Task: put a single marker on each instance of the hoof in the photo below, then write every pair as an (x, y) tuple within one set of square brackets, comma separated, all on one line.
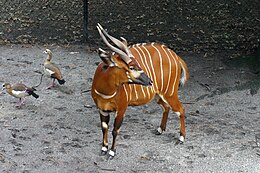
[(104, 151), (180, 141), (111, 155), (159, 131)]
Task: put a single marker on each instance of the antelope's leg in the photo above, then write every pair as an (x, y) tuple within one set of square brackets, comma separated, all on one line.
[(117, 124), (166, 109), (104, 118), (179, 110)]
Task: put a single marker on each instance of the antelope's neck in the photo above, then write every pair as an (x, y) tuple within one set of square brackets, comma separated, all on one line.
[(107, 82), (105, 96), (106, 88)]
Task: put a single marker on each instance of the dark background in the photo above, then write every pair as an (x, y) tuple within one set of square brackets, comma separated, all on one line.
[(189, 26)]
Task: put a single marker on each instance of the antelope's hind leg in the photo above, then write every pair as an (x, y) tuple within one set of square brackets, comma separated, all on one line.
[(166, 109), (177, 107), (104, 119)]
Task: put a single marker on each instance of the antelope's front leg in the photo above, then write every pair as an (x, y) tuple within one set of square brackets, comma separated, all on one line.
[(104, 118), (117, 124)]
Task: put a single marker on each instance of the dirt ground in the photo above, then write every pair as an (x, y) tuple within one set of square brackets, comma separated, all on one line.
[(60, 131)]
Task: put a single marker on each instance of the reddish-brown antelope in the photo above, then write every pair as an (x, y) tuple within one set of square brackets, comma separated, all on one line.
[(132, 76)]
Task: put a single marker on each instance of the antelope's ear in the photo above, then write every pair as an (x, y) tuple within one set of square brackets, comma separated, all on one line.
[(105, 57)]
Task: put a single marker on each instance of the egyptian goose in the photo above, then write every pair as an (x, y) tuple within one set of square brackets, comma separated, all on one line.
[(52, 70), (20, 91)]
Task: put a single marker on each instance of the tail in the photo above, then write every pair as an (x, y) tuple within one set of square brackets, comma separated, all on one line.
[(185, 76), (33, 94), (39, 83), (61, 82), (59, 78)]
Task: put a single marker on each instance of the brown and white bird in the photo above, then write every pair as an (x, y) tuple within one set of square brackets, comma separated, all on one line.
[(52, 70), (20, 91)]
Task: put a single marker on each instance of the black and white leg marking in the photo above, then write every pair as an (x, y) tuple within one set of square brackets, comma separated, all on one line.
[(104, 117)]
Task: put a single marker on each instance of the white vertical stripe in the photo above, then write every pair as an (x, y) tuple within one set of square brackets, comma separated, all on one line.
[(152, 91), (152, 68), (144, 64), (130, 92), (148, 92), (170, 69), (176, 68), (124, 86), (142, 88), (136, 93), (141, 60), (161, 67), (144, 58)]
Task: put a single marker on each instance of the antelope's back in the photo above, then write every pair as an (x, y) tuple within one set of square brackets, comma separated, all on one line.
[(162, 65)]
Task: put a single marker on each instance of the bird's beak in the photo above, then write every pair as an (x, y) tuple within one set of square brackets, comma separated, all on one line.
[(3, 89)]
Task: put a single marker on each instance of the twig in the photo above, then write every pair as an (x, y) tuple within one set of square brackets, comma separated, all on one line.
[(85, 91), (206, 86), (107, 169), (252, 112), (104, 169), (40, 82), (188, 103)]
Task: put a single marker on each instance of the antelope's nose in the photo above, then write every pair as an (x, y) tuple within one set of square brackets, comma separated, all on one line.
[(145, 79)]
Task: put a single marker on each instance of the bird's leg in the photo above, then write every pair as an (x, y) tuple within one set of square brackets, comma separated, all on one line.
[(53, 82), (19, 103), (51, 85), (22, 101)]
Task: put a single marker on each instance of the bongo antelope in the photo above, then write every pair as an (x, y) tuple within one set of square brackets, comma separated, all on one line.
[(52, 70), (132, 76)]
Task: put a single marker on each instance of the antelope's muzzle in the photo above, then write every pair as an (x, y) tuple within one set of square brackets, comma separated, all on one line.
[(143, 79)]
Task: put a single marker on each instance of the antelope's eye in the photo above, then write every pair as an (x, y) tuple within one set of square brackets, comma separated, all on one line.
[(131, 68)]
